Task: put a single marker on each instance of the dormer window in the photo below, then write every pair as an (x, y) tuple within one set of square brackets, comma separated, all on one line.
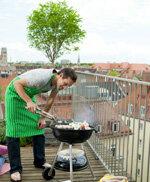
[(141, 126), (138, 172), (128, 123), (130, 108), (83, 80), (99, 128), (142, 111), (140, 142), (139, 156), (115, 127)]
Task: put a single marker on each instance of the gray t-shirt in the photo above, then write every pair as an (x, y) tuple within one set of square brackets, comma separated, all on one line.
[(38, 78)]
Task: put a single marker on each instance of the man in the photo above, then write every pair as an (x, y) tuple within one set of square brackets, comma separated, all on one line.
[(21, 118)]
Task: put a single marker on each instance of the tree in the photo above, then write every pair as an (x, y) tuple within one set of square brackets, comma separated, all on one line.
[(113, 72), (54, 28)]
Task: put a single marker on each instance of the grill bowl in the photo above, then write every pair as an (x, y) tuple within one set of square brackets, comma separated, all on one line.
[(72, 136)]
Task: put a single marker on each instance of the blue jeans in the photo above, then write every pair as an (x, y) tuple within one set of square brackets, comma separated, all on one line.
[(14, 152)]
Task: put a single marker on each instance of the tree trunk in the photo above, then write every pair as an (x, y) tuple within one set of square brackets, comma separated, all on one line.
[(53, 62)]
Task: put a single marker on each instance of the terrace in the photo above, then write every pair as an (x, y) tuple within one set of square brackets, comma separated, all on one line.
[(33, 174), (120, 110)]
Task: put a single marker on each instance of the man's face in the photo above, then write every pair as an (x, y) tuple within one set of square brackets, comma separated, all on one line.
[(63, 83)]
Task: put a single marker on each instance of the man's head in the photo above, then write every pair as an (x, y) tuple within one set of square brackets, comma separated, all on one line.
[(65, 78)]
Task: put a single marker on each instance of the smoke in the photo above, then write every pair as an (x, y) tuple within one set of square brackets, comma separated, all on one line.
[(84, 112)]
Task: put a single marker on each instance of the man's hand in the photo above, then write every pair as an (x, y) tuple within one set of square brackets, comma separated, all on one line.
[(42, 123), (31, 106)]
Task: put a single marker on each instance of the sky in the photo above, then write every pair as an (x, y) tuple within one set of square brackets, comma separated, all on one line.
[(116, 31)]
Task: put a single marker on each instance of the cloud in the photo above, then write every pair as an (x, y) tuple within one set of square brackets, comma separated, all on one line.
[(116, 29)]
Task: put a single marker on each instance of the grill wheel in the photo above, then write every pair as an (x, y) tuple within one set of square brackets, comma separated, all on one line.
[(46, 175)]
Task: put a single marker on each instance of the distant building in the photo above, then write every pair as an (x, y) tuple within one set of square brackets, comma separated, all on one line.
[(4, 71), (65, 61), (3, 56), (5, 68), (78, 62)]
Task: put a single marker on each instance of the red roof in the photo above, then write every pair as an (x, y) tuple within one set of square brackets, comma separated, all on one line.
[(124, 65), (4, 83)]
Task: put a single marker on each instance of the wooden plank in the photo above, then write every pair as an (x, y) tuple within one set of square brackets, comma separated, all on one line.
[(30, 173)]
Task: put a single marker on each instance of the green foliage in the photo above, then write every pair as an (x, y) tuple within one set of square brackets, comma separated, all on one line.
[(2, 132), (25, 141), (137, 77), (113, 73), (86, 64), (1, 98), (58, 65), (54, 28)]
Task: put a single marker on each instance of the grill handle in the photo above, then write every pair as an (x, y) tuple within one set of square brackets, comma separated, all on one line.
[(94, 129)]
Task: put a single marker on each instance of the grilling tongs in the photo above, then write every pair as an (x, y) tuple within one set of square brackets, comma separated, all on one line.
[(45, 114)]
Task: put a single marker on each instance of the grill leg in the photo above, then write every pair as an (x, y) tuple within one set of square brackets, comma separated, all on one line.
[(71, 166), (59, 149), (82, 146)]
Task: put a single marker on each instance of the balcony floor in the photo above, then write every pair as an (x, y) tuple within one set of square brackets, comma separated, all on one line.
[(32, 174)]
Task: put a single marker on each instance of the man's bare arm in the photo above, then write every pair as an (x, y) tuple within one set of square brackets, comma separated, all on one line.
[(50, 100), (19, 86)]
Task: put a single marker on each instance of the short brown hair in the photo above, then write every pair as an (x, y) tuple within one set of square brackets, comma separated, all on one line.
[(68, 72)]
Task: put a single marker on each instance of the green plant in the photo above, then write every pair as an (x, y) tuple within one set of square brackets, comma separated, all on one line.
[(58, 65), (25, 141), (137, 77), (2, 132), (1, 98), (113, 72), (54, 28)]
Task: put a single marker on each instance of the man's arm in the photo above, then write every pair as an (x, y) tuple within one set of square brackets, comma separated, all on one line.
[(50, 100), (42, 122), (19, 87)]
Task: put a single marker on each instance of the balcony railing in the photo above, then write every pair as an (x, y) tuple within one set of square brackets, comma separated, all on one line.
[(120, 110)]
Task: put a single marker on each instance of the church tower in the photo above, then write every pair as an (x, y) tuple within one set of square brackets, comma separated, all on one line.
[(3, 56), (78, 61)]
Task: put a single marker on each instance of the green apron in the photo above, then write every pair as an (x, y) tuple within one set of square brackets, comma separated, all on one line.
[(20, 122)]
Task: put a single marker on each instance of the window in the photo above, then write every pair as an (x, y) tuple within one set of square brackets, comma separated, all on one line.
[(141, 126), (113, 149), (138, 172), (106, 79), (128, 123), (113, 146), (130, 108), (99, 128), (140, 142), (142, 111), (139, 156), (83, 80), (115, 127)]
